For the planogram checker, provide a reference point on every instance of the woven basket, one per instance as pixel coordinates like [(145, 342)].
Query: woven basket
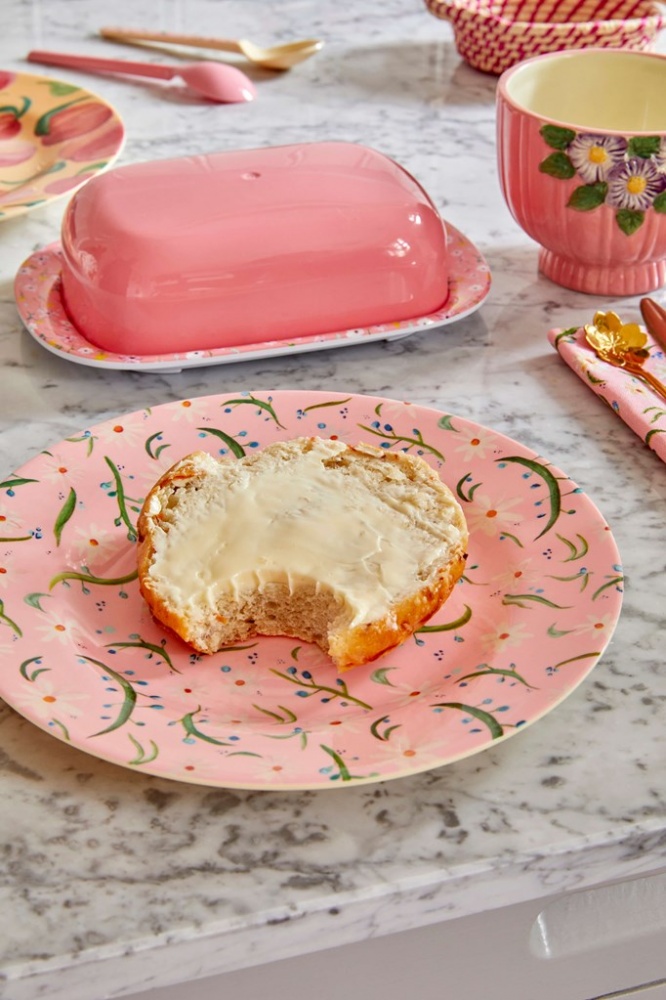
[(492, 35)]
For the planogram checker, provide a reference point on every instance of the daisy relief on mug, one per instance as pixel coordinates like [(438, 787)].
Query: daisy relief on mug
[(629, 175)]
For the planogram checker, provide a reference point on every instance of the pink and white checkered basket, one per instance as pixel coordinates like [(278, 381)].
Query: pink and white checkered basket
[(492, 35)]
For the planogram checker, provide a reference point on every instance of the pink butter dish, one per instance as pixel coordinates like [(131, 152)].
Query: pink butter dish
[(234, 248)]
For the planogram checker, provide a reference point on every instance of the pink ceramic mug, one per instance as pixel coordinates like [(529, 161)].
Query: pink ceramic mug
[(581, 141)]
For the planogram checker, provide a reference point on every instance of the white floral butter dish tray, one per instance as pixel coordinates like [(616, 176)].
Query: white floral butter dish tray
[(37, 290)]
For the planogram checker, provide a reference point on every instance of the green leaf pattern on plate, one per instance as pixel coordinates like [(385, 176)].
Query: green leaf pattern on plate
[(85, 660)]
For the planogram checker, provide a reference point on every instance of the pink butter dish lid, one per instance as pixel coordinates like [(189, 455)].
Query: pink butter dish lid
[(237, 247)]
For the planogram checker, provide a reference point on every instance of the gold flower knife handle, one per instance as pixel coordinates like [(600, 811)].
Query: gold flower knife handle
[(623, 346)]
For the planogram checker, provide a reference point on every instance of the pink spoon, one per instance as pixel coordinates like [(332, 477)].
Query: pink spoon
[(214, 80)]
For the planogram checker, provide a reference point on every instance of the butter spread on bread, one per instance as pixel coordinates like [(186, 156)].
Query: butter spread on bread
[(348, 547)]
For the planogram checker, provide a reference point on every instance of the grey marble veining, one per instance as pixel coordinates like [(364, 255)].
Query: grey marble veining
[(137, 881)]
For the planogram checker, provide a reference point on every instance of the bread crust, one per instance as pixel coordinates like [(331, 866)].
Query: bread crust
[(368, 642), (348, 645)]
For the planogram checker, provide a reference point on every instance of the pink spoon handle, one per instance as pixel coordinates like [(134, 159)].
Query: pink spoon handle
[(93, 63)]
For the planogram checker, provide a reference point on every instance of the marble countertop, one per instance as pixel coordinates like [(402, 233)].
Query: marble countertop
[(147, 881)]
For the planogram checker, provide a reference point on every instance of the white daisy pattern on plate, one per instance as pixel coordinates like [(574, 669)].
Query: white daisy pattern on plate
[(523, 573), (542, 588), (626, 174), (93, 544), (600, 625), (61, 469), (53, 627), (10, 522), (505, 634), (46, 699), (492, 515), (476, 446)]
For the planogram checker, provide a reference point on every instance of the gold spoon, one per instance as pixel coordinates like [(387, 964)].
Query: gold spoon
[(280, 57), (622, 345)]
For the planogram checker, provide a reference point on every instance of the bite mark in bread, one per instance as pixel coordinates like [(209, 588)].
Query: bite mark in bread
[(351, 548)]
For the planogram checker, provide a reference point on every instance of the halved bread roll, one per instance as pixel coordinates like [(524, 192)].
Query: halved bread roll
[(351, 548)]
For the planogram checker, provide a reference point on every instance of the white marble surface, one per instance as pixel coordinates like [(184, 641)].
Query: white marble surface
[(113, 881)]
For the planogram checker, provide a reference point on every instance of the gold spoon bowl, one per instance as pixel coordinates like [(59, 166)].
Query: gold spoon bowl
[(277, 57)]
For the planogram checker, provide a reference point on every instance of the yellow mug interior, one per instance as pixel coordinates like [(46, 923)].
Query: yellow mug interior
[(593, 89)]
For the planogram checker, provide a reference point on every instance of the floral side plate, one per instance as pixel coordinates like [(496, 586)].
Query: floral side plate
[(37, 290), (84, 660), (54, 136)]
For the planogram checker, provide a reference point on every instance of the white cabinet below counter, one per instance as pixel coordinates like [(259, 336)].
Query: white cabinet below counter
[(608, 941)]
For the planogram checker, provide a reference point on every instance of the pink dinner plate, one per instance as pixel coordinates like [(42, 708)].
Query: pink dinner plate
[(84, 660), (37, 290), (54, 136)]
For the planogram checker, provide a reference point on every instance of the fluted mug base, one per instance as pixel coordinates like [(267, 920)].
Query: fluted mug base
[(602, 279)]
